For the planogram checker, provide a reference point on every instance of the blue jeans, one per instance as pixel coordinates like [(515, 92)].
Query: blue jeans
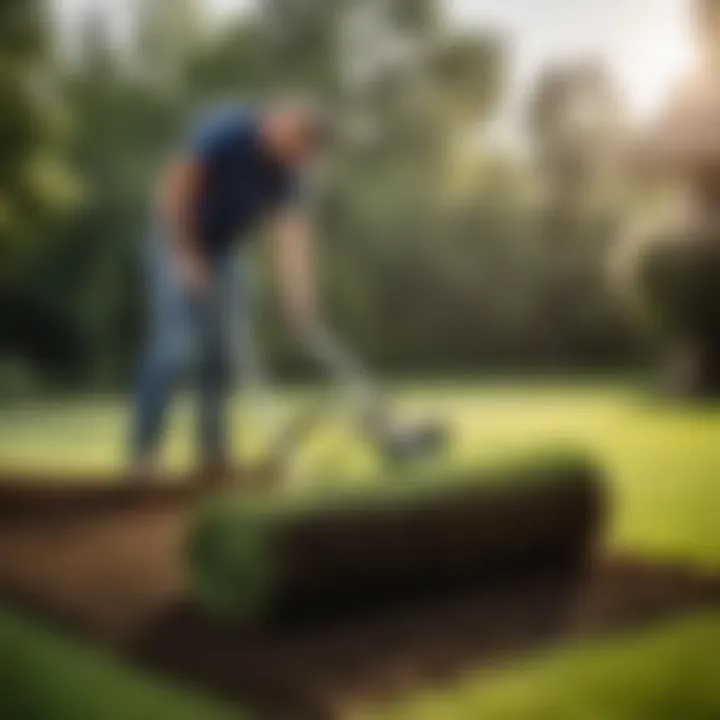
[(187, 332)]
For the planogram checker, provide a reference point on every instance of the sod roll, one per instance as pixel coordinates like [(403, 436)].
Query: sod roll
[(251, 558)]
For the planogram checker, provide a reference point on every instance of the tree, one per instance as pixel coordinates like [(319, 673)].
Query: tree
[(676, 268), (574, 119), (36, 185), (33, 179), (168, 35)]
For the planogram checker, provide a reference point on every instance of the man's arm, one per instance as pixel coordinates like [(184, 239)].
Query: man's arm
[(178, 199), (294, 260), (295, 267), (296, 279)]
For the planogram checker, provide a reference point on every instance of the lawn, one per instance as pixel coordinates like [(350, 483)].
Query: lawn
[(43, 676), (669, 673), (663, 467), (663, 462)]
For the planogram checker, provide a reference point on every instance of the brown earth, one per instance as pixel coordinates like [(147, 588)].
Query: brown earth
[(105, 564)]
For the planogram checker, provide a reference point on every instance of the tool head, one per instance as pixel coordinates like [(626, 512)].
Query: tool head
[(423, 441)]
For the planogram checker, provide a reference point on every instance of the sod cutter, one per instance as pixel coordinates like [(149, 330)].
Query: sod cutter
[(396, 443)]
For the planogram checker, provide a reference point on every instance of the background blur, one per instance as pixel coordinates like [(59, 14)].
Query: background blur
[(476, 218), (467, 215)]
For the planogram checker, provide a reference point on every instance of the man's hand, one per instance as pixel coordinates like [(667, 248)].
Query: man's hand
[(178, 200), (195, 273)]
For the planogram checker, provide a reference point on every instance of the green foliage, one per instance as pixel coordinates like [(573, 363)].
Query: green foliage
[(470, 75), (434, 255), (17, 380), (33, 181), (676, 278), (679, 279), (574, 121)]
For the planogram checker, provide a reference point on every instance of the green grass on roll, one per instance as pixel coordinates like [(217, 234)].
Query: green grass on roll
[(242, 553)]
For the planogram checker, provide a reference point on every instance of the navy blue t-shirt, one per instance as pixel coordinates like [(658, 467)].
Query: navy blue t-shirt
[(241, 182)]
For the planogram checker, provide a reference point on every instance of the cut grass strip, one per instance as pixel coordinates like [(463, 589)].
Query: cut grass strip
[(45, 677)]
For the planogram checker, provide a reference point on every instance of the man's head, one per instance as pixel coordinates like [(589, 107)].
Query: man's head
[(294, 130)]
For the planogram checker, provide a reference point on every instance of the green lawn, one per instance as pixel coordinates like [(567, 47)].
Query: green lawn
[(663, 466), (663, 462), (662, 674), (45, 677)]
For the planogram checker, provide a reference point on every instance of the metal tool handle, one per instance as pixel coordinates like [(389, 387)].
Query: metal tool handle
[(354, 381)]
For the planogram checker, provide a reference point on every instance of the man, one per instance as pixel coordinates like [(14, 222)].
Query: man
[(240, 168)]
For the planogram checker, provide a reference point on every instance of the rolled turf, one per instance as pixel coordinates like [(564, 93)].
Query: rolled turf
[(250, 558)]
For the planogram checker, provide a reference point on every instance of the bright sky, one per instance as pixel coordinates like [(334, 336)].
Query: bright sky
[(645, 43)]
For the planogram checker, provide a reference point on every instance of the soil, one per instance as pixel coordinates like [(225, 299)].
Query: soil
[(105, 564)]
